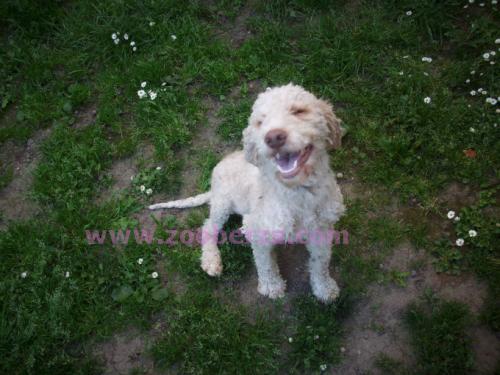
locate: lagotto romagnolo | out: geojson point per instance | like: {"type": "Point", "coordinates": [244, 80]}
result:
{"type": "Point", "coordinates": [280, 181]}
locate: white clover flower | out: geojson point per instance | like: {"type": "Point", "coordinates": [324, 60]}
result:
{"type": "Point", "coordinates": [114, 36]}
{"type": "Point", "coordinates": [451, 214]}
{"type": "Point", "coordinates": [472, 130]}
{"type": "Point", "coordinates": [473, 92]}
{"type": "Point", "coordinates": [140, 261]}
{"type": "Point", "coordinates": [116, 41]}
{"type": "Point", "coordinates": [66, 274]}
{"type": "Point", "coordinates": [158, 168]}
{"type": "Point", "coordinates": [173, 37]}
{"type": "Point", "coordinates": [322, 367]}
{"type": "Point", "coordinates": [427, 59]}
{"type": "Point", "coordinates": [152, 23]}
{"type": "Point", "coordinates": [457, 219]}
{"type": "Point", "coordinates": [427, 100]}
{"type": "Point", "coordinates": [149, 191]}
{"type": "Point", "coordinates": [143, 84]}
{"type": "Point", "coordinates": [152, 94]}
{"type": "Point", "coordinates": [290, 339]}
{"type": "Point", "coordinates": [24, 274]}
{"type": "Point", "coordinates": [409, 12]}
{"type": "Point", "coordinates": [460, 242]}
{"type": "Point", "coordinates": [125, 36]}
{"type": "Point", "coordinates": [134, 49]}
{"type": "Point", "coordinates": [132, 43]}
{"type": "Point", "coordinates": [154, 275]}
{"type": "Point", "coordinates": [467, 81]}
{"type": "Point", "coordinates": [141, 94]}
{"type": "Point", "coordinates": [142, 188]}
{"type": "Point", "coordinates": [472, 233]}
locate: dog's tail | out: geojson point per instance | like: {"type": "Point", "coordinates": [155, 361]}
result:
{"type": "Point", "coordinates": [195, 201]}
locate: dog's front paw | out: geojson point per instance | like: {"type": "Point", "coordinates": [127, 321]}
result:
{"type": "Point", "coordinates": [326, 291]}
{"type": "Point", "coordinates": [272, 288]}
{"type": "Point", "coordinates": [211, 262]}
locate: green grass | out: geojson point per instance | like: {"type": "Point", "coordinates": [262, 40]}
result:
{"type": "Point", "coordinates": [438, 334]}
{"type": "Point", "coordinates": [59, 58]}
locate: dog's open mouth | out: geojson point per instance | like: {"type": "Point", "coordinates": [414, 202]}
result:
{"type": "Point", "coordinates": [289, 164]}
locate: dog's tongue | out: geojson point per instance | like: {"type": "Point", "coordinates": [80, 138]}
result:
{"type": "Point", "coordinates": [287, 162]}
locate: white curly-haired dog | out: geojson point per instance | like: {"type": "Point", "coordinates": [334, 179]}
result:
{"type": "Point", "coordinates": [280, 182]}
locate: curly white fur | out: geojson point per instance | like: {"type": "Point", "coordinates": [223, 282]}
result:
{"type": "Point", "coordinates": [250, 183]}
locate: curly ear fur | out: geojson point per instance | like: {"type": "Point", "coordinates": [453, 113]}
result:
{"type": "Point", "coordinates": [249, 146]}
{"type": "Point", "coordinates": [333, 123]}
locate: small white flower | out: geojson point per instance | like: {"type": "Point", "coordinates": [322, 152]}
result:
{"type": "Point", "coordinates": [426, 74]}
{"type": "Point", "coordinates": [401, 73]}
{"type": "Point", "coordinates": [116, 41]}
{"type": "Point", "coordinates": [409, 12]}
{"type": "Point", "coordinates": [493, 53]}
{"type": "Point", "coordinates": [406, 56]}
{"type": "Point", "coordinates": [492, 101]}
{"type": "Point", "coordinates": [471, 1]}
{"type": "Point", "coordinates": [472, 130]}
{"type": "Point", "coordinates": [481, 4]}
{"type": "Point", "coordinates": [322, 367]}
{"type": "Point", "coordinates": [484, 92]}
{"type": "Point", "coordinates": [466, 6]}
{"type": "Point", "coordinates": [473, 92]}
{"type": "Point", "coordinates": [134, 49]}
{"type": "Point", "coordinates": [316, 337]}
{"type": "Point", "coordinates": [66, 275]}
{"type": "Point", "coordinates": [472, 72]}
{"type": "Point", "coordinates": [467, 81]}
{"type": "Point", "coordinates": [460, 242]}
{"type": "Point", "coordinates": [149, 191]}
{"type": "Point", "coordinates": [480, 89]}
{"type": "Point", "coordinates": [132, 43]}
{"type": "Point", "coordinates": [151, 23]}
{"type": "Point", "coordinates": [497, 41]}
{"type": "Point", "coordinates": [24, 274]}
{"type": "Point", "coordinates": [427, 100]}
{"type": "Point", "coordinates": [342, 349]}
{"type": "Point", "coordinates": [154, 275]}
{"type": "Point", "coordinates": [290, 339]}
{"type": "Point", "coordinates": [340, 175]}
{"type": "Point", "coordinates": [140, 261]}
{"type": "Point", "coordinates": [494, 2]}
{"type": "Point", "coordinates": [486, 56]}
{"type": "Point", "coordinates": [472, 233]}
{"type": "Point", "coordinates": [492, 63]}
{"type": "Point", "coordinates": [158, 168]}
{"type": "Point", "coordinates": [164, 83]}
{"type": "Point", "coordinates": [125, 36]}
{"type": "Point", "coordinates": [143, 84]}
{"type": "Point", "coordinates": [457, 218]}
{"type": "Point", "coordinates": [173, 37]}
{"type": "Point", "coordinates": [451, 214]}
{"type": "Point", "coordinates": [152, 94]}
{"type": "Point", "coordinates": [114, 36]}
{"type": "Point", "coordinates": [141, 94]}
{"type": "Point", "coordinates": [142, 188]}
{"type": "Point", "coordinates": [427, 59]}
{"type": "Point", "coordinates": [132, 178]}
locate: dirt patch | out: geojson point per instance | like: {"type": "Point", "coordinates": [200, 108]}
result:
{"type": "Point", "coordinates": [237, 32]}
{"type": "Point", "coordinates": [377, 327]}
{"type": "Point", "coordinates": [85, 116]}
{"type": "Point", "coordinates": [127, 351]}
{"type": "Point", "coordinates": [15, 203]}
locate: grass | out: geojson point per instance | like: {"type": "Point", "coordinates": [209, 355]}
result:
{"type": "Point", "coordinates": [58, 62]}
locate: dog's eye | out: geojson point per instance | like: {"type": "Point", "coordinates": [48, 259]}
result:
{"type": "Point", "coordinates": [297, 111]}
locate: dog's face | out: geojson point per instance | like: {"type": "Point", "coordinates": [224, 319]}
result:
{"type": "Point", "coordinates": [288, 130]}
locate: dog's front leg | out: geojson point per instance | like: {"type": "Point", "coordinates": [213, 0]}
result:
{"type": "Point", "coordinates": [323, 286]}
{"type": "Point", "coordinates": [271, 284]}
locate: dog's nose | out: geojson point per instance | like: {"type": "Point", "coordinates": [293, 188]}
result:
{"type": "Point", "coordinates": [275, 138]}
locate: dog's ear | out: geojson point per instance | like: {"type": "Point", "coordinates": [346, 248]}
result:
{"type": "Point", "coordinates": [333, 123]}
{"type": "Point", "coordinates": [249, 146]}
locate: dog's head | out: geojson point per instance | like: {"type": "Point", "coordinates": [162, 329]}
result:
{"type": "Point", "coordinates": [288, 131]}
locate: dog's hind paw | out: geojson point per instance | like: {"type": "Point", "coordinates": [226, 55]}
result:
{"type": "Point", "coordinates": [272, 289]}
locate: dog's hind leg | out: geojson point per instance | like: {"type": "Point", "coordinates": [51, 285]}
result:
{"type": "Point", "coordinates": [211, 261]}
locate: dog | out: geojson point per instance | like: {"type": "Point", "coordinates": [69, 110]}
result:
{"type": "Point", "coordinates": [280, 182]}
